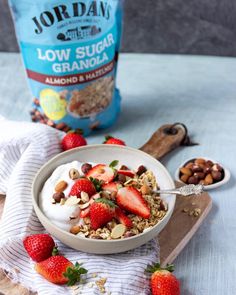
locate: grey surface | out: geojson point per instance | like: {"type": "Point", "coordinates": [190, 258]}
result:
{"type": "Point", "coordinates": [164, 26]}
{"type": "Point", "coordinates": [159, 89]}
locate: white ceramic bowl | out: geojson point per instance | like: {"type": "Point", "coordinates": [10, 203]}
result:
{"type": "Point", "coordinates": [210, 186]}
{"type": "Point", "coordinates": [104, 154]}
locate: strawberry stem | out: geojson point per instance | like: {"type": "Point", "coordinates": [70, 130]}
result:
{"type": "Point", "coordinates": [74, 273]}
{"type": "Point", "coordinates": [55, 251]}
{"type": "Point", "coordinates": [105, 201]}
{"type": "Point", "coordinates": [156, 266]}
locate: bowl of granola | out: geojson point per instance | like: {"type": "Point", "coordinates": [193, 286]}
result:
{"type": "Point", "coordinates": [101, 198]}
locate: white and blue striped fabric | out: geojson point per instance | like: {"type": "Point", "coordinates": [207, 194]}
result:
{"type": "Point", "coordinates": [24, 148]}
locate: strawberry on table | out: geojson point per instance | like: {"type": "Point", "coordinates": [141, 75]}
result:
{"type": "Point", "coordinates": [101, 212]}
{"type": "Point", "coordinates": [39, 246]}
{"type": "Point", "coordinates": [102, 172]}
{"type": "Point", "coordinates": [163, 282]}
{"type": "Point", "coordinates": [72, 140]}
{"type": "Point", "coordinates": [130, 199]}
{"type": "Point", "coordinates": [59, 270]}
{"type": "Point", "coordinates": [122, 218]}
{"type": "Point", "coordinates": [83, 185]}
{"type": "Point", "coordinates": [113, 140]}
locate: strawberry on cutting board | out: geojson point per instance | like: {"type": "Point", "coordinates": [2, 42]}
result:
{"type": "Point", "coordinates": [72, 140]}
{"type": "Point", "coordinates": [39, 246]}
{"type": "Point", "coordinates": [59, 270]}
{"type": "Point", "coordinates": [101, 212]}
{"type": "Point", "coordinates": [130, 199]}
{"type": "Point", "coordinates": [163, 282]}
{"type": "Point", "coordinates": [113, 140]}
{"type": "Point", "coordinates": [83, 185]}
{"type": "Point", "coordinates": [102, 172]}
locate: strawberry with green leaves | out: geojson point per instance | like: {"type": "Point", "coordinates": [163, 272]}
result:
{"type": "Point", "coordinates": [59, 270]}
{"type": "Point", "coordinates": [72, 140]}
{"type": "Point", "coordinates": [39, 246]}
{"type": "Point", "coordinates": [163, 282]}
{"type": "Point", "coordinates": [113, 140]}
{"type": "Point", "coordinates": [101, 212]}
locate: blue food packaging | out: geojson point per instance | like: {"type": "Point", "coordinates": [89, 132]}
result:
{"type": "Point", "coordinates": [70, 53]}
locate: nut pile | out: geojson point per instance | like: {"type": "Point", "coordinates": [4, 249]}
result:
{"type": "Point", "coordinates": [201, 171]}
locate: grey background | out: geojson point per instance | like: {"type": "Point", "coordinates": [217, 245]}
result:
{"type": "Point", "coordinates": [163, 26]}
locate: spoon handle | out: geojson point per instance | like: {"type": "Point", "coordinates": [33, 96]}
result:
{"type": "Point", "coordinates": [186, 190]}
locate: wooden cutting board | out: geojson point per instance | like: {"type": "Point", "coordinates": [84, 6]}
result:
{"type": "Point", "coordinates": [180, 228]}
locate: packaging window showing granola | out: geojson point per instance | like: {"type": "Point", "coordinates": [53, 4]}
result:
{"type": "Point", "coordinates": [70, 52]}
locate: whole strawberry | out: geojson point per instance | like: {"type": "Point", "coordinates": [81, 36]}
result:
{"type": "Point", "coordinates": [72, 140]}
{"type": "Point", "coordinates": [163, 282]}
{"type": "Point", "coordinates": [112, 140]}
{"type": "Point", "coordinates": [101, 212]}
{"type": "Point", "coordinates": [59, 270]}
{"type": "Point", "coordinates": [83, 185]}
{"type": "Point", "coordinates": [39, 246]}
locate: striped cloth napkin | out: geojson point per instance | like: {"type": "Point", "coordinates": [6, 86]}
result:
{"type": "Point", "coordinates": [24, 148]}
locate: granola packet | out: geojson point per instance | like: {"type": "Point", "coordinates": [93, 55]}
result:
{"type": "Point", "coordinates": [70, 52]}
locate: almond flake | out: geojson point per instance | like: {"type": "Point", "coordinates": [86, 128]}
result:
{"type": "Point", "coordinates": [84, 197]}
{"type": "Point", "coordinates": [71, 201]}
{"type": "Point", "coordinates": [118, 231]}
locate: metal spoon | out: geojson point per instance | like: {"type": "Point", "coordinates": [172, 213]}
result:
{"type": "Point", "coordinates": [186, 190]}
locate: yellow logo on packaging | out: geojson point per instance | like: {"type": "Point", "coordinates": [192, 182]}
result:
{"type": "Point", "coordinates": [52, 104]}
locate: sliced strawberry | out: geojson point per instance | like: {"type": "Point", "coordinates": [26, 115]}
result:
{"type": "Point", "coordinates": [122, 218]}
{"type": "Point", "coordinates": [102, 172]}
{"type": "Point", "coordinates": [126, 173]}
{"type": "Point", "coordinates": [111, 186]}
{"type": "Point", "coordinates": [85, 213]}
{"type": "Point", "coordinates": [130, 199]}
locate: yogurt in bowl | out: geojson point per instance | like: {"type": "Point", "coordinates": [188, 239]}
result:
{"type": "Point", "coordinates": [58, 224]}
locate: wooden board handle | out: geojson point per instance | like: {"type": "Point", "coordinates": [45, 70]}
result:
{"type": "Point", "coordinates": [165, 139]}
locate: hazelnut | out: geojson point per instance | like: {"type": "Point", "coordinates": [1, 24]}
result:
{"type": "Point", "coordinates": [196, 168]}
{"type": "Point", "coordinates": [186, 171]}
{"type": "Point", "coordinates": [86, 167]}
{"type": "Point", "coordinates": [217, 167]}
{"type": "Point", "coordinates": [58, 196]}
{"type": "Point", "coordinates": [199, 175]}
{"type": "Point", "coordinates": [216, 175]}
{"type": "Point", "coordinates": [73, 174]}
{"type": "Point", "coordinates": [61, 186]}
{"type": "Point", "coordinates": [141, 169]}
{"type": "Point", "coordinates": [210, 163]}
{"type": "Point", "coordinates": [207, 169]}
{"type": "Point", "coordinates": [121, 178]}
{"type": "Point", "coordinates": [193, 180]}
{"type": "Point", "coordinates": [123, 167]}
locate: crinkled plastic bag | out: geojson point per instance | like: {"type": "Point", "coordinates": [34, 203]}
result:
{"type": "Point", "coordinates": [70, 52]}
